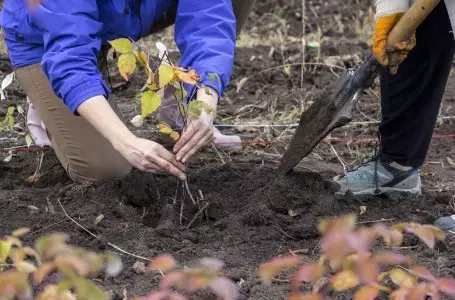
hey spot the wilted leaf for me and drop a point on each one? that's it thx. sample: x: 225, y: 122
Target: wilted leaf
x: 363, y: 209
x: 122, y: 45
x: 5, y: 249
x: 98, y: 219
x: 402, y: 278
x: 139, y: 267
x: 150, y: 102
x: 447, y: 286
x: 164, y: 128
x: 307, y: 273
x: 25, y: 266
x: 163, y: 263
x: 268, y: 270
x: 212, y: 264
x: 392, y: 258
x: 422, y: 272
x: 43, y: 271
x: 20, y: 232
x: 224, y: 289
x: 366, y: 293
x: 126, y: 65
x: 190, y: 77
x: 344, y: 280
x: 28, y: 140
x: 241, y: 83
x: 166, y: 75
x: 113, y: 265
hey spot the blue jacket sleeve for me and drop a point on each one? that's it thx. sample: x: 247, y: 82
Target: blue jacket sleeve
x: 205, y: 33
x: 71, y: 41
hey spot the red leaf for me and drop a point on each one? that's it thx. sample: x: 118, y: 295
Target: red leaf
x: 447, y: 286
x: 391, y: 258
x: 366, y: 293
x: 367, y: 270
x: 422, y: 272
x: 307, y: 273
x: 224, y: 289
x: 163, y: 263
x: 268, y: 270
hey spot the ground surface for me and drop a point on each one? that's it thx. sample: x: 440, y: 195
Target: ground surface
x: 248, y: 217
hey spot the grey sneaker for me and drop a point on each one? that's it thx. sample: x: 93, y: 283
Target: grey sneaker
x: 375, y: 177
x: 446, y: 223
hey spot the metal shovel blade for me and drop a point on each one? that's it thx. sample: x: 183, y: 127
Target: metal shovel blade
x: 333, y: 109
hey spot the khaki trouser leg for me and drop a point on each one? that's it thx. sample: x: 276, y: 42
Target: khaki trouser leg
x: 85, y: 154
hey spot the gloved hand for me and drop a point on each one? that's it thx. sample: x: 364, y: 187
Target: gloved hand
x: 387, y: 18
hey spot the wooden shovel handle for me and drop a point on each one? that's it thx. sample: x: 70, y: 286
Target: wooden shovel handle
x: 408, y: 24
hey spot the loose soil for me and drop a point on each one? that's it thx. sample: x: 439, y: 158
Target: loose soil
x: 253, y: 215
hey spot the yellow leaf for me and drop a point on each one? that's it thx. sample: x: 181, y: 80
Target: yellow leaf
x: 25, y: 266
x: 28, y: 140
x: 366, y: 293
x: 402, y: 278
x: 164, y: 128
x: 126, y: 65
x: 5, y: 249
x: 175, y: 136
x: 344, y: 280
x: 150, y: 102
x: 166, y: 75
x: 122, y: 45
x: 144, y: 60
x: 20, y: 232
x: 152, y: 87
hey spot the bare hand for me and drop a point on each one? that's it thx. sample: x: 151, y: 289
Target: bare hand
x: 149, y: 156
x: 198, y: 134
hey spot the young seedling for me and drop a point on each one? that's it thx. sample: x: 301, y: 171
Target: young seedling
x: 24, y: 268
x: 180, y: 284
x: 349, y: 263
x: 165, y: 82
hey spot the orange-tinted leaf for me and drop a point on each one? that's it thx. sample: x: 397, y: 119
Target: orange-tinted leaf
x: 190, y: 77
x: 438, y: 233
x: 425, y: 234
x: 344, y: 280
x: 171, y: 279
x: 391, y: 258
x: 345, y: 223
x: 400, y: 294
x: 367, y: 270
x: 419, y: 292
x: 308, y: 296
x: 382, y: 276
x: 163, y: 263
x: 307, y: 273
x: 20, y: 232
x: 366, y: 293
x: 43, y: 271
x: 268, y: 270
x: 402, y: 278
x: 447, y: 286
x: 422, y: 272
x: 126, y: 65
x: 393, y: 237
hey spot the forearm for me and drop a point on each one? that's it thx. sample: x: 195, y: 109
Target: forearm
x: 388, y: 7
x: 102, y: 117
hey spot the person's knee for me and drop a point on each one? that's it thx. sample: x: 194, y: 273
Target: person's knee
x: 98, y: 172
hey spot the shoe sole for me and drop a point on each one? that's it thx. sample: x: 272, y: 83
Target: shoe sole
x: 382, y: 190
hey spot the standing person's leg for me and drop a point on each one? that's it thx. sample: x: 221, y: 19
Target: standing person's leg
x: 412, y: 98
x: 84, y: 153
x: 410, y: 105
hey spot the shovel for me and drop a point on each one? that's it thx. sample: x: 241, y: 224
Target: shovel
x: 335, y: 106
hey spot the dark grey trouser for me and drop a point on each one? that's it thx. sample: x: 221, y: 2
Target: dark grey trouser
x: 412, y: 98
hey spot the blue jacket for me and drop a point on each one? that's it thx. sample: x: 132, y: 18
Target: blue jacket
x: 66, y: 37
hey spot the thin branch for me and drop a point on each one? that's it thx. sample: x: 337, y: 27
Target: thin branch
x: 197, y: 215
x: 95, y: 236
x: 376, y: 221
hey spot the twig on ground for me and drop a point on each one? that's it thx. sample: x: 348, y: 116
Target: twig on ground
x: 197, y: 215
x: 95, y: 236
x: 218, y: 153
x: 345, y: 168
x: 376, y: 221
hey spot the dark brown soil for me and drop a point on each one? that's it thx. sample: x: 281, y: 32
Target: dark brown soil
x: 249, y: 218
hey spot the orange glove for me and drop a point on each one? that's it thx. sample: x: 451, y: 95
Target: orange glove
x: 393, y: 55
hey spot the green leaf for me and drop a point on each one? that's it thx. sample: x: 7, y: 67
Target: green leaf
x: 5, y: 249
x: 11, y: 110
x: 64, y: 285
x: 150, y: 102
x: 126, y: 65
x: 122, y: 45
x: 87, y: 290
x: 28, y: 140
x: 166, y: 75
x: 195, y: 108
x: 10, y: 122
